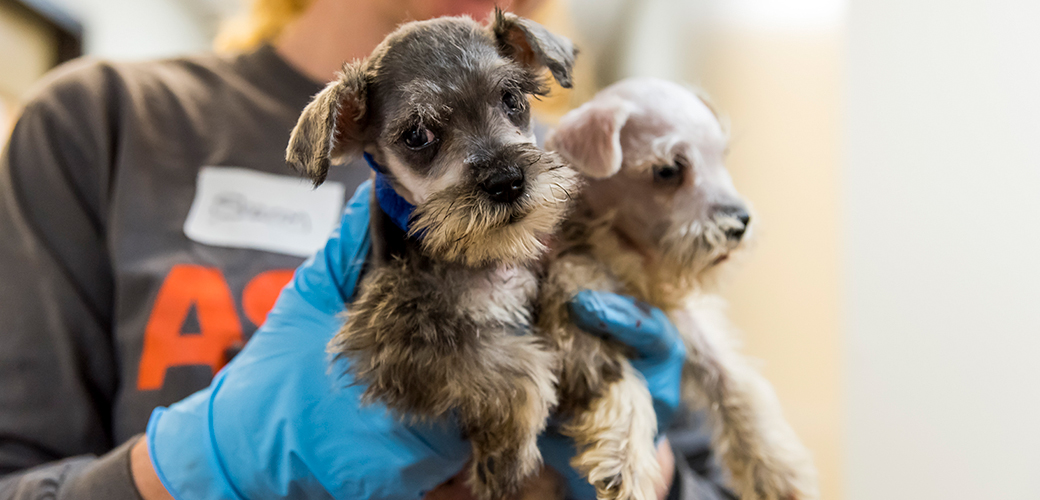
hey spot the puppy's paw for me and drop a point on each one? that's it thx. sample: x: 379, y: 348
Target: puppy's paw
x: 500, y: 474
x: 773, y: 478
x: 626, y: 478
x: 620, y: 465
x: 615, y: 439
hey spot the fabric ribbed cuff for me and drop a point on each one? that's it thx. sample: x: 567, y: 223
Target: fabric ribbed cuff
x: 106, y: 478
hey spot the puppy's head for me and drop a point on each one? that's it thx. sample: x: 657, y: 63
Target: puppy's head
x: 442, y: 106
x: 653, y: 152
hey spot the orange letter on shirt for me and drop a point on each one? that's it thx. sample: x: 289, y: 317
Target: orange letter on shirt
x: 259, y: 295
x: 165, y: 346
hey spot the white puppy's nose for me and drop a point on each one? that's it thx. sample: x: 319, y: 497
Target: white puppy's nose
x: 739, y: 213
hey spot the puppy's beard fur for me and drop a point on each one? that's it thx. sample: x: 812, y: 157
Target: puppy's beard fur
x: 691, y: 252
x: 459, y: 223
x: 686, y: 259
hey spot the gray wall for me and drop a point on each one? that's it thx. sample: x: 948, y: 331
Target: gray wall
x: 942, y: 237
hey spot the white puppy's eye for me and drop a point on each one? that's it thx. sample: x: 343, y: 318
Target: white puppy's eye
x: 668, y: 173
x: 418, y: 137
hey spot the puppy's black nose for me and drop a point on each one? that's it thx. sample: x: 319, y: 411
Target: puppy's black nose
x: 504, y: 186
x: 739, y: 213
x: 744, y: 218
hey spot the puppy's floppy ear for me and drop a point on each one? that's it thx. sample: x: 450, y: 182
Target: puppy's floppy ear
x: 590, y: 137
x: 530, y: 44
x: 331, y: 126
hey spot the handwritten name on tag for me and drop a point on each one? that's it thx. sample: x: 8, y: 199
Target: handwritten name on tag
x: 241, y: 208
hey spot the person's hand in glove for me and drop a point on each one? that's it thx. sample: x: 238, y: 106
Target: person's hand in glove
x: 280, y: 422
x: 660, y: 357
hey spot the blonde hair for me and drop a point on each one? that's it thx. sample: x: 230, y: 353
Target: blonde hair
x: 261, y: 22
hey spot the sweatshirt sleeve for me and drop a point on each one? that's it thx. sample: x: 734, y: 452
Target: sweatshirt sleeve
x: 57, y: 359
x: 698, y: 475
x: 78, y: 478
x: 690, y: 485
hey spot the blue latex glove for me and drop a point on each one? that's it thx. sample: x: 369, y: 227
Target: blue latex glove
x: 660, y: 358
x: 278, y: 422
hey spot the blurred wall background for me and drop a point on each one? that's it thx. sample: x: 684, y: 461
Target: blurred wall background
x: 941, y: 209
x: 35, y: 37
x: 776, y: 68
x: 139, y: 29
x: 890, y: 151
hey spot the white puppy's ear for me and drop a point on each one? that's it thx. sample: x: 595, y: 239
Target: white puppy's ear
x: 331, y: 126
x: 590, y: 137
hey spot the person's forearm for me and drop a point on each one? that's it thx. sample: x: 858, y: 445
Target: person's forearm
x: 666, y: 457
x: 145, y: 478
x: 151, y: 488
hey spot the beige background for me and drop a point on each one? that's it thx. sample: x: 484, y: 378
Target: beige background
x: 28, y: 52
x: 781, y: 92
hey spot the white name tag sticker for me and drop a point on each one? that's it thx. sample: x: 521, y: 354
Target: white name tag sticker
x: 241, y: 208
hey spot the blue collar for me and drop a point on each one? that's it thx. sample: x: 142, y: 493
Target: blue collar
x: 396, y: 207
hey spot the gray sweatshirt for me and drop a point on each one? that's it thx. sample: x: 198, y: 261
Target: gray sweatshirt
x: 131, y: 197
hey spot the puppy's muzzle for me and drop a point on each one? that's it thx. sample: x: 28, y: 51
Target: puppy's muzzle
x: 502, y: 212
x: 740, y: 220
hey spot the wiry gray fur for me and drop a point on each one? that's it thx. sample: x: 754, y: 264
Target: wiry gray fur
x: 439, y: 326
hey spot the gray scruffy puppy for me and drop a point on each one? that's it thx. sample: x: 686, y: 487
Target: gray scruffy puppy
x: 656, y: 220
x: 440, y: 110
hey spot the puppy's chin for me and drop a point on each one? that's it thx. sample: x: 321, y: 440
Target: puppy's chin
x: 696, y: 253
x: 459, y: 224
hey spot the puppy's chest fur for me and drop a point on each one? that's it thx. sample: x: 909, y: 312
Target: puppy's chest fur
x: 421, y: 330
x: 491, y: 297
x: 501, y: 296
x: 590, y: 257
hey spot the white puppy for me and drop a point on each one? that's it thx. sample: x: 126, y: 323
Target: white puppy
x: 657, y: 218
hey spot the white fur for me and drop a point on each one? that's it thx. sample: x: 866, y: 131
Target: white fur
x: 504, y: 296
x: 664, y: 241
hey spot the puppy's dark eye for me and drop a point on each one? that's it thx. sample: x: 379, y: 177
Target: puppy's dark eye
x: 418, y: 137
x: 512, y: 102
x: 668, y: 173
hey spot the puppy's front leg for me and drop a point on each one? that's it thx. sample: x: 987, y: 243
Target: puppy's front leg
x: 419, y: 353
x: 615, y: 440
x: 757, y: 445
x: 506, y: 405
